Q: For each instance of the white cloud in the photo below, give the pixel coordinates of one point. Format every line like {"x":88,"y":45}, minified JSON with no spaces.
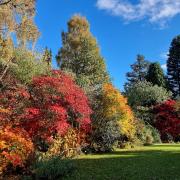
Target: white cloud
{"x":164,"y":55}
{"x":156,"y":11}
{"x":164,"y":67}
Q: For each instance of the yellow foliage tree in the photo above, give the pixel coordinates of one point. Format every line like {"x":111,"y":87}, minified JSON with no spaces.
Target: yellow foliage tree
{"x":115,"y":107}
{"x":16,"y":20}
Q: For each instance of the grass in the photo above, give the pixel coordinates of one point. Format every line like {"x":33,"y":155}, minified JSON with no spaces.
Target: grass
{"x":157,"y":162}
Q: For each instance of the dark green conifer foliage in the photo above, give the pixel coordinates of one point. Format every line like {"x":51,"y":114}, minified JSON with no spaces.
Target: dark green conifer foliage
{"x":173,"y":66}
{"x":139,"y":71}
{"x":156,"y":75}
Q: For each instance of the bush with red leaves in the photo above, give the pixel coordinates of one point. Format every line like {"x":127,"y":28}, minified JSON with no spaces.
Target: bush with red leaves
{"x":56,"y":104}
{"x":167,"y":120}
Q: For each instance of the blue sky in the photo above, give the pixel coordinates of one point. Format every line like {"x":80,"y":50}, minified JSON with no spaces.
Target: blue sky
{"x":123,"y":28}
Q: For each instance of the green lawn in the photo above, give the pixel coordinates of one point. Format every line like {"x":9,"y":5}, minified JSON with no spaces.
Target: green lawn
{"x":157,"y":162}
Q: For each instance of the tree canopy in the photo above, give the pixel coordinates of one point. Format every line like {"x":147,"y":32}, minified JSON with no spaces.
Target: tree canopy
{"x":173,"y":66}
{"x":80,"y":53}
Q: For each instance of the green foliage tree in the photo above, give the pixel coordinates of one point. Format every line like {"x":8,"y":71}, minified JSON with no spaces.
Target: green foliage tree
{"x":155,"y":75}
{"x":80,"y":54}
{"x":173,"y":66}
{"x":142,"y":96}
{"x":145,"y":94}
{"x":139,"y":71}
{"x":27,"y":65}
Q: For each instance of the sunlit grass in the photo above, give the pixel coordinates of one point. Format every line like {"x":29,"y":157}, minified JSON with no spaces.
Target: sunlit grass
{"x":149,"y":162}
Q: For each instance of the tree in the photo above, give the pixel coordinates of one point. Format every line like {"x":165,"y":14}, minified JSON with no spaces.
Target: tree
{"x":167,"y":120}
{"x":23,"y":26}
{"x":173,"y":66}
{"x":16,"y":23}
{"x":143,"y":96}
{"x":47,"y":56}
{"x":139,"y":71}
{"x":56,"y":104}
{"x":27,"y":65}
{"x":80,"y":54}
{"x":16,"y":146}
{"x":50,"y":106}
{"x":155,"y":75}
{"x":114,"y":119}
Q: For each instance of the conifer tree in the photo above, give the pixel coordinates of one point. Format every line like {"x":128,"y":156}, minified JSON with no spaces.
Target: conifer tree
{"x":80,"y":54}
{"x":139,"y":71}
{"x":155,"y":75}
{"x":173,"y":67}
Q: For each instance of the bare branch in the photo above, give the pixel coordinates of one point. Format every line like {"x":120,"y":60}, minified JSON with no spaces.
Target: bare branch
{"x":2,"y":3}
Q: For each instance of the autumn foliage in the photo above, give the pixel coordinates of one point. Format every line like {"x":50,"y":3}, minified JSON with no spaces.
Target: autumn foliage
{"x":115,"y":106}
{"x":52,"y":106}
{"x":55,"y":105}
{"x":46,"y":117}
{"x":167,"y":120}
{"x":115,"y":119}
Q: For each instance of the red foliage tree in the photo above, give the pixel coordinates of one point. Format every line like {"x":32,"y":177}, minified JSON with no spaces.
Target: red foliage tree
{"x":167,"y":120}
{"x":56,"y":104}
{"x":12,"y":104}
{"x":15,"y":144}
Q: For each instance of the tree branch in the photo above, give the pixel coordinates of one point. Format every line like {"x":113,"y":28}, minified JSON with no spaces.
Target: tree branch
{"x":2,"y":3}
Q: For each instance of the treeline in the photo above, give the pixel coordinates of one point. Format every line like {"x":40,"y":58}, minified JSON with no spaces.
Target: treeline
{"x":153,"y":96}
{"x":48,"y":116}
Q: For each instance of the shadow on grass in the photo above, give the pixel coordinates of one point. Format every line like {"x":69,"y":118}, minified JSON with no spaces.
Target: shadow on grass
{"x":135,"y":165}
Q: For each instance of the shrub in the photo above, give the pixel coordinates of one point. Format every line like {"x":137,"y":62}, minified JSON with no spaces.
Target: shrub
{"x":15,"y":148}
{"x":167,"y":120}
{"x":155,"y":134}
{"x":114,"y":119}
{"x":143,"y":96}
{"x":28,"y":65}
{"x":67,"y":146}
{"x":15,"y":144}
{"x":105,"y":136}
{"x":149,"y":140}
{"x":53,"y":168}
{"x":147,"y":134}
{"x":55,"y":106}
{"x":145,"y":113}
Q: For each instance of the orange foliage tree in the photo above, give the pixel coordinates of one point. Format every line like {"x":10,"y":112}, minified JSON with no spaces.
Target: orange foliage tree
{"x":15,"y":145}
{"x":115,"y":107}
{"x":115,"y":119}
{"x":15,"y":148}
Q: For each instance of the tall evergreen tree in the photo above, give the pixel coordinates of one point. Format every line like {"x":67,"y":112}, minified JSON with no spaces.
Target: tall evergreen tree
{"x":139,"y":71}
{"x":80,"y":53}
{"x":155,"y":75}
{"x":173,"y":66}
